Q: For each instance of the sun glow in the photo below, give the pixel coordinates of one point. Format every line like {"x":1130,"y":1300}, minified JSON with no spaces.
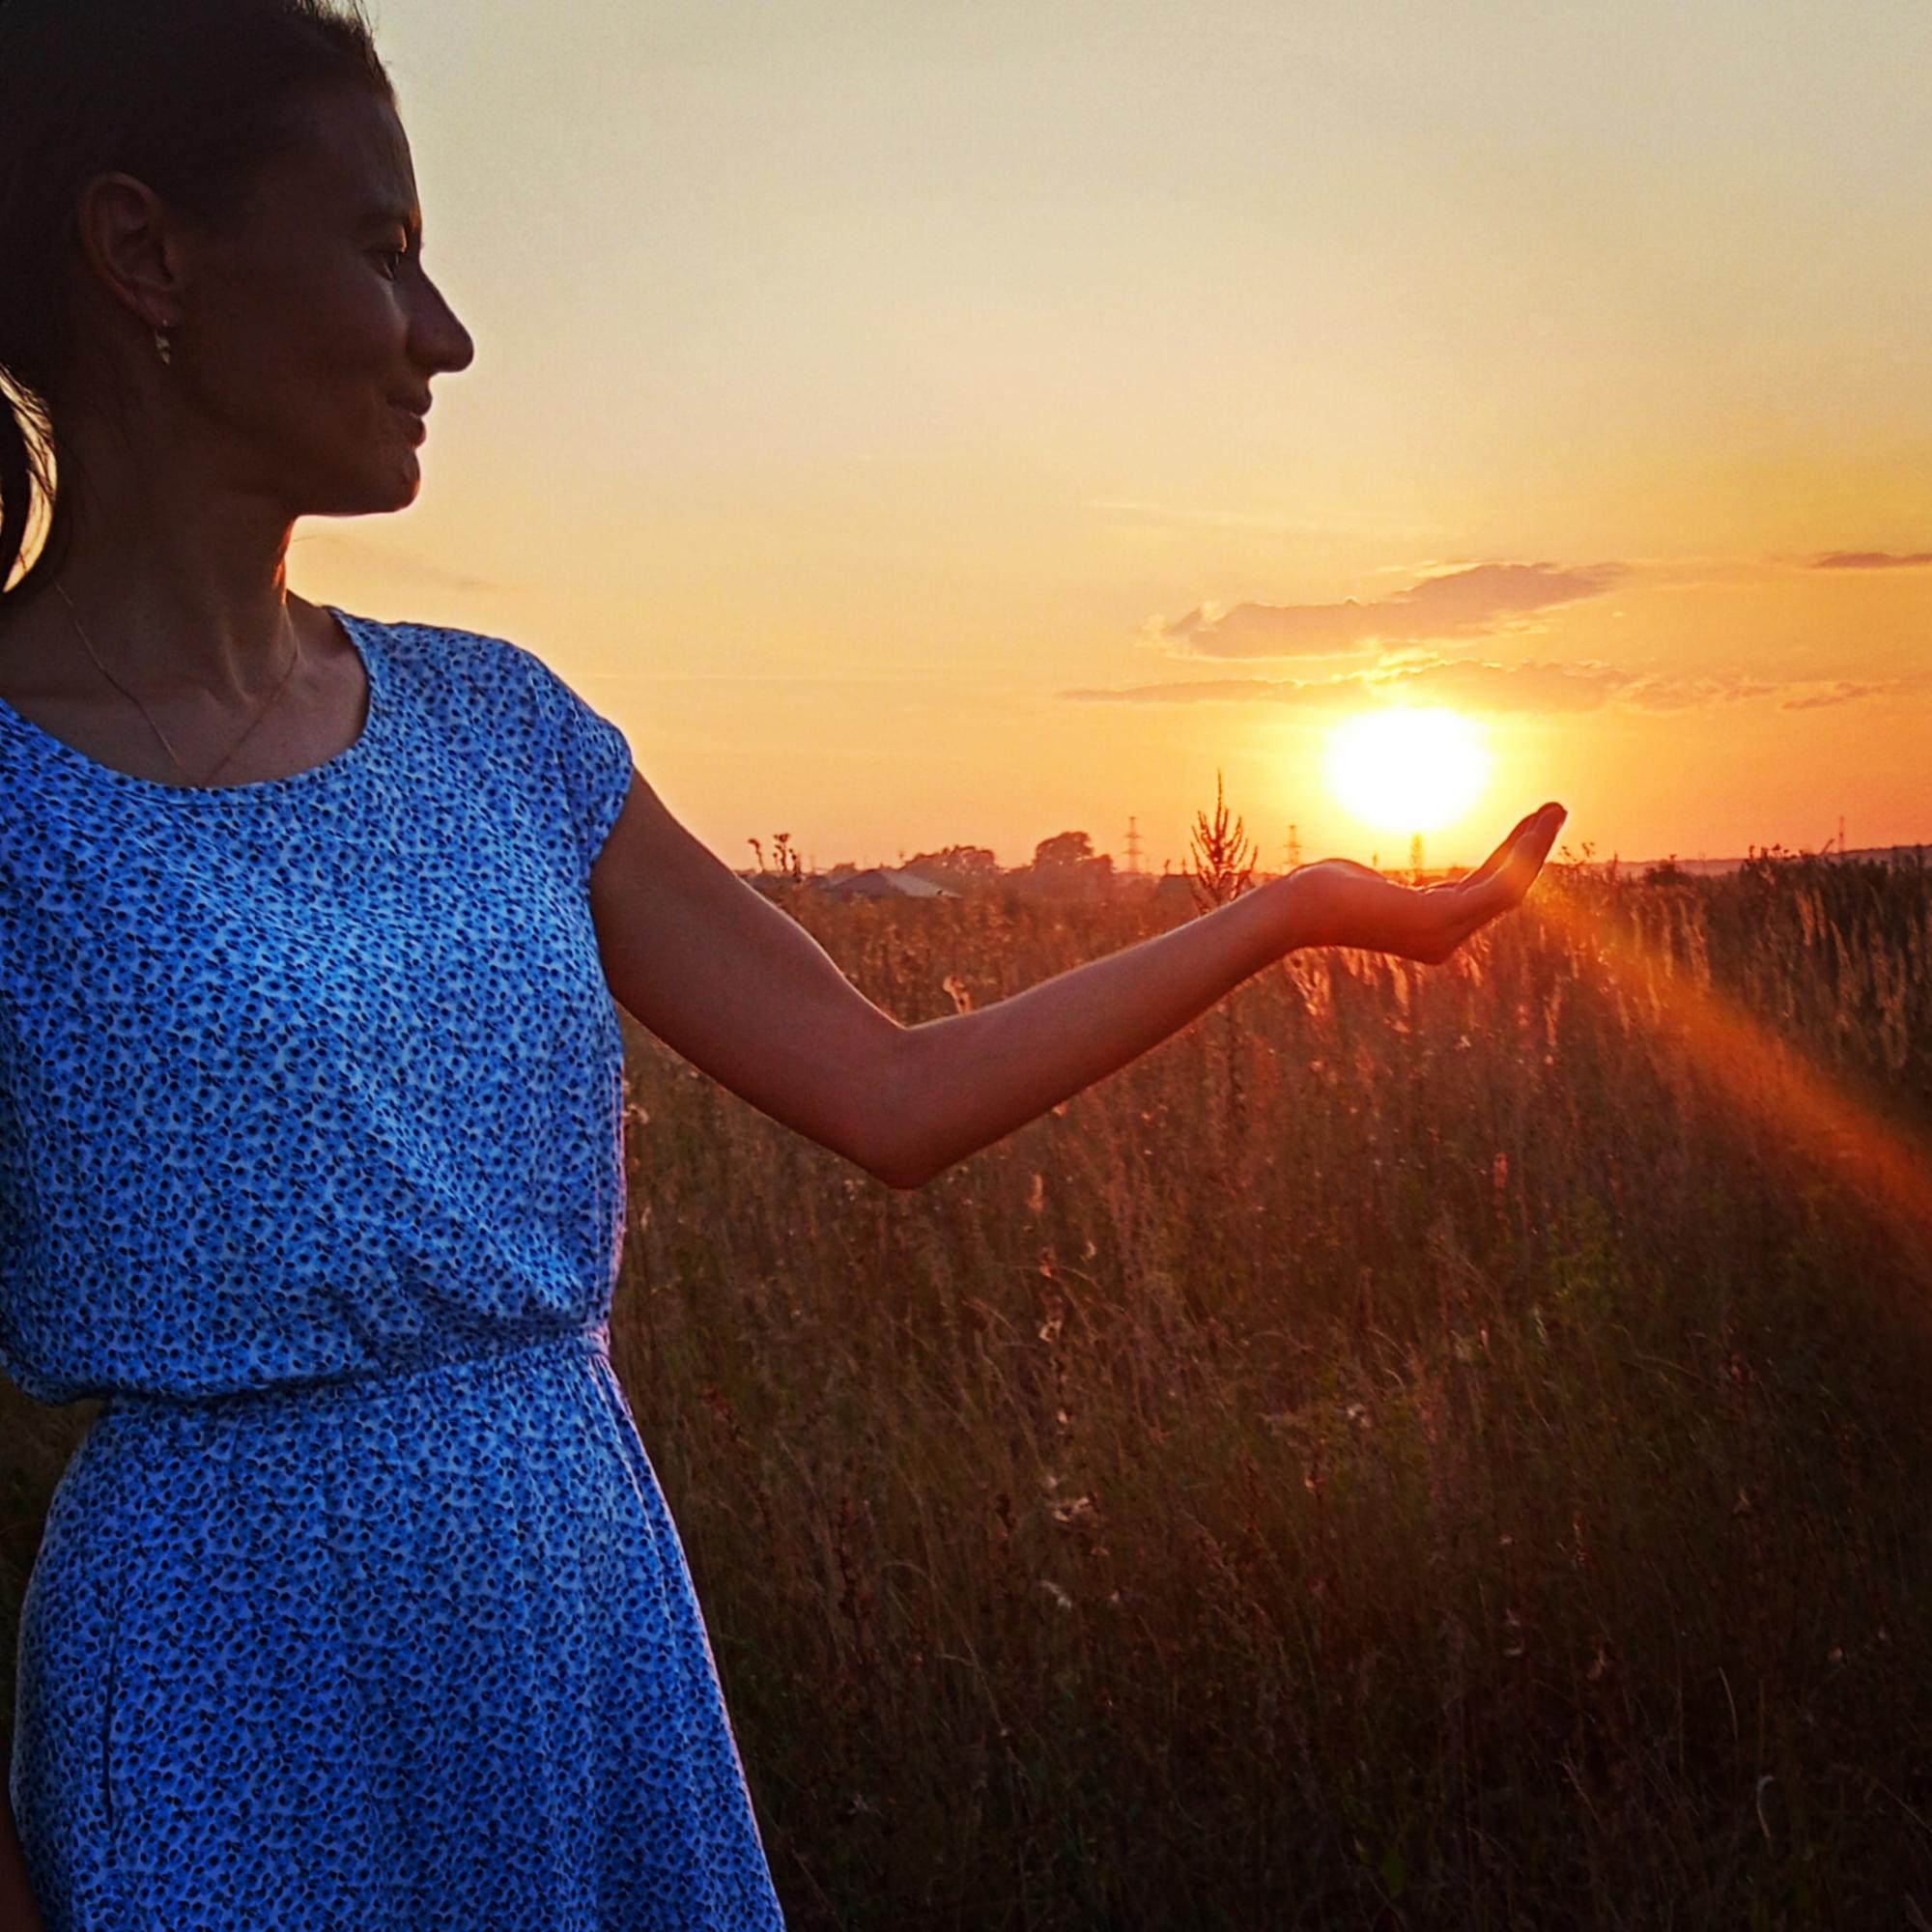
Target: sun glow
{"x":1407,"y":770}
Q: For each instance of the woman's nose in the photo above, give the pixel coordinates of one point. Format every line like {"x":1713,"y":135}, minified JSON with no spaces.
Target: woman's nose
{"x":445,"y":344}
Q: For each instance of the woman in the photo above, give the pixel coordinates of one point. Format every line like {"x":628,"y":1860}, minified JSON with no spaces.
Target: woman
{"x":360,"y":1606}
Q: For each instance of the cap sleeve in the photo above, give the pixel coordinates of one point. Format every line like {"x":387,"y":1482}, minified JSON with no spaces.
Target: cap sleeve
{"x":593,"y":760}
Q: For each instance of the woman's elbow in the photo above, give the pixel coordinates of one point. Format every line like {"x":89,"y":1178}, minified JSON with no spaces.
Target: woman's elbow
{"x":897,"y":1145}
{"x":900,"y":1161}
{"x":904,"y":1180}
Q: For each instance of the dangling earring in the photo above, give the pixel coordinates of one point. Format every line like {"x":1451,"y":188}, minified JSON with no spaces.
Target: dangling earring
{"x":161,"y":342}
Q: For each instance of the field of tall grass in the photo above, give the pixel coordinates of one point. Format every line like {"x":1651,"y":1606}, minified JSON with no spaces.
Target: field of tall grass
{"x":1423,"y":1447}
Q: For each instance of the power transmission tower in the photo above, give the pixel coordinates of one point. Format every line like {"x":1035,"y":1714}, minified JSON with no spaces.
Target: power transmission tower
{"x":1415,"y":854}
{"x":1133,"y":847}
{"x":1294,"y":847}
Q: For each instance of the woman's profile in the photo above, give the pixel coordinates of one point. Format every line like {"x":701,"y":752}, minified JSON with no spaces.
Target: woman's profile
{"x":360,"y":1606}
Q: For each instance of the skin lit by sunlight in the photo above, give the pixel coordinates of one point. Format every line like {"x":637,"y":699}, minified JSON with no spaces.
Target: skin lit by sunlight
{"x":1407,"y":770}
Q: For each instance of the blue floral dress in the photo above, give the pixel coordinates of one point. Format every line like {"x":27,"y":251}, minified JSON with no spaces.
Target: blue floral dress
{"x":358,"y":1607}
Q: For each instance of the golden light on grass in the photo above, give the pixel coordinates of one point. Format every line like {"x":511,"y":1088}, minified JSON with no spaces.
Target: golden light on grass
{"x":1814,"y":1118}
{"x":1408,"y":769}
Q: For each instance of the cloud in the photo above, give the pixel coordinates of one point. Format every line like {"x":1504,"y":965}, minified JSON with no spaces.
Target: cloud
{"x":1842,"y":693}
{"x":1872,"y":559}
{"x":1466,"y":682}
{"x":1206,"y":689}
{"x":1457,"y":604}
{"x":1683,"y":694}
{"x":1411,"y":634}
{"x":1274,"y":630}
{"x":1473,"y":684}
{"x":1845,"y":691}
{"x":1192,"y":690}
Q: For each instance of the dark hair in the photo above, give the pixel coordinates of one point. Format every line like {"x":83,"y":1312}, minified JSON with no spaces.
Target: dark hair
{"x":190,"y":96}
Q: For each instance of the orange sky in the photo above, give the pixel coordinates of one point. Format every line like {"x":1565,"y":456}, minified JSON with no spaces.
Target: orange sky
{"x":931,"y":424}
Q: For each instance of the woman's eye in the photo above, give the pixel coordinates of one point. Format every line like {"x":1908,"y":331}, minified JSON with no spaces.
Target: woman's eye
{"x":395,"y":255}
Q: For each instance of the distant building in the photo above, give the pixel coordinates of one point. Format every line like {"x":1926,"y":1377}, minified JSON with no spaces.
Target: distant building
{"x":887,"y":882}
{"x":1172,"y":890}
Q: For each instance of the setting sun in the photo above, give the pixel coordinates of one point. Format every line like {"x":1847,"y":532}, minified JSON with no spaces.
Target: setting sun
{"x":1407,"y":770}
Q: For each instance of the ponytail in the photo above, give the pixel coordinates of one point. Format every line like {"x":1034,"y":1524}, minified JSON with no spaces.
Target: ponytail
{"x":25,"y":447}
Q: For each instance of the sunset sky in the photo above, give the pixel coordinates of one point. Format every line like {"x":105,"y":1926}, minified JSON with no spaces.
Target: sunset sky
{"x":928,"y":423}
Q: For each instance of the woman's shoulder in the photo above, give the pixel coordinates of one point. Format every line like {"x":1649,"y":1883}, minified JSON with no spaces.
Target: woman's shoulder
{"x":423,"y":647}
{"x":485,"y":690}
{"x":452,"y":665}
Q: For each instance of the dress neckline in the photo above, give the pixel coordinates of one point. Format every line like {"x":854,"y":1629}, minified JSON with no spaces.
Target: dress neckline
{"x":361,"y":634}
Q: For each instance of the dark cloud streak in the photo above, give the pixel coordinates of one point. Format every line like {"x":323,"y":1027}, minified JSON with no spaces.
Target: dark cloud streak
{"x":1472,"y":684}
{"x":1873,"y":559}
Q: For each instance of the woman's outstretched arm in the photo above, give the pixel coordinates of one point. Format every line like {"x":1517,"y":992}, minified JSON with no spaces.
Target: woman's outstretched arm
{"x":741,"y":990}
{"x":969,"y":1079}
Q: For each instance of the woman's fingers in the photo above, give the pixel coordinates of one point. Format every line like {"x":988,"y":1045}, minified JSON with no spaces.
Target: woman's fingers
{"x":1500,"y":856}
{"x":1522,"y":857}
{"x":1497,"y":859}
{"x":1503,"y":879}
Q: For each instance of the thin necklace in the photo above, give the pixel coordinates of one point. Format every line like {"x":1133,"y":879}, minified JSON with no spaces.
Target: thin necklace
{"x":260,"y":714}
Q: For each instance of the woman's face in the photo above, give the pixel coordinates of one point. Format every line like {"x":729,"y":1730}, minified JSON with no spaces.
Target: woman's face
{"x":308,"y":329}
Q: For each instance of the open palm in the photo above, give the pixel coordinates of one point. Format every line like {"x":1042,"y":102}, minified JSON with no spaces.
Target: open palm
{"x":1338,"y":902}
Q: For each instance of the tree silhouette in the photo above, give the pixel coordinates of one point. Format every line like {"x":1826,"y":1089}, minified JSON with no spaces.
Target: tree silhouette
{"x":1221,"y":868}
{"x":1066,"y":867}
{"x":1063,"y":848}
{"x":1223,"y":860}
{"x":957,"y":865}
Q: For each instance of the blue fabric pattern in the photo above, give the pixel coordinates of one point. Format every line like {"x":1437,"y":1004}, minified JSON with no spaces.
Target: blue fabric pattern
{"x":359,"y":1606}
